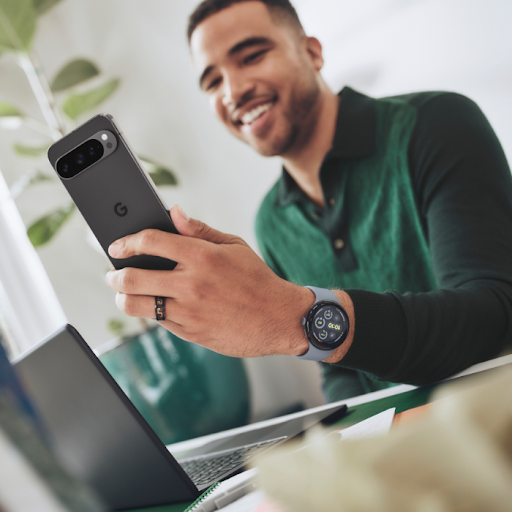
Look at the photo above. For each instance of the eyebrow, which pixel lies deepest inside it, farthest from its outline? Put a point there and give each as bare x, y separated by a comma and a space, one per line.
246, 43
242, 45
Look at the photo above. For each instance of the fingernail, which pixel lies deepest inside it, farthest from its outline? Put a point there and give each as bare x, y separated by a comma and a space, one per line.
182, 213
113, 250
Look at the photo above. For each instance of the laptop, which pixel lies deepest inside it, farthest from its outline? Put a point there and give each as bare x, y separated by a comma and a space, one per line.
102, 439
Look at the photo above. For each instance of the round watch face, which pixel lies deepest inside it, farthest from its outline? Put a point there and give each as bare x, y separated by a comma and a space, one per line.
326, 325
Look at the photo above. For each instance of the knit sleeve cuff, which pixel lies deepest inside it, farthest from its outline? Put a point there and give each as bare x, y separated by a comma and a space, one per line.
380, 334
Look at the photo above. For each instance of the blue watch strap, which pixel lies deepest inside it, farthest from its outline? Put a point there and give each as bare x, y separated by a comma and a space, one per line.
314, 353
323, 294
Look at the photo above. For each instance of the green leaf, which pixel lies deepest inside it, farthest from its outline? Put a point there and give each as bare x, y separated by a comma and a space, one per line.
8, 110
159, 174
19, 186
41, 6
77, 104
116, 326
17, 24
10, 117
44, 229
31, 151
74, 73
162, 176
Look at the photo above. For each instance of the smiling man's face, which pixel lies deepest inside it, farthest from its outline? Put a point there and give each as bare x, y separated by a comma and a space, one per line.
259, 76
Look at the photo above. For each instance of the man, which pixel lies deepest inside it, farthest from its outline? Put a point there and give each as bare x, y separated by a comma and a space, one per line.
405, 203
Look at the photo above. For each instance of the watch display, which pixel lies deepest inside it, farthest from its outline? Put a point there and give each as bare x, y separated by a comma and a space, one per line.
326, 325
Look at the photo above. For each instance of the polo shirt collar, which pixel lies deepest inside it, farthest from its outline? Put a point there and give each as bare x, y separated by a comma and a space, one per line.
354, 137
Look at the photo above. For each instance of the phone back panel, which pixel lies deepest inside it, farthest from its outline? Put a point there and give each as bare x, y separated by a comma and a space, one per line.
115, 195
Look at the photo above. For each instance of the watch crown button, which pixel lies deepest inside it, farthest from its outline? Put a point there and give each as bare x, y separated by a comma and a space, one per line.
303, 321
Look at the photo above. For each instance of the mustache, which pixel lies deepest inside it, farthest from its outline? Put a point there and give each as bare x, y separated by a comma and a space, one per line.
247, 103
248, 99
244, 100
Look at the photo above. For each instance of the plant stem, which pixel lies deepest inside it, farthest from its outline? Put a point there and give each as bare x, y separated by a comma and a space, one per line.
38, 126
44, 96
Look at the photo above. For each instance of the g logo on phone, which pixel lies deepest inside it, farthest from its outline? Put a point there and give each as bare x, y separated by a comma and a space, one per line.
120, 209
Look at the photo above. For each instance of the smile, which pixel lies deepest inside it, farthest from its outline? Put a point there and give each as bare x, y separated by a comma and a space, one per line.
255, 113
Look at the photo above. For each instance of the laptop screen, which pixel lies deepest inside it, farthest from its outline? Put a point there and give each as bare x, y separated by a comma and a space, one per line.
95, 430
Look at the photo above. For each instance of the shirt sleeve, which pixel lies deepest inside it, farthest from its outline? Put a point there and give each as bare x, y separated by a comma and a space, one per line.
266, 253
463, 187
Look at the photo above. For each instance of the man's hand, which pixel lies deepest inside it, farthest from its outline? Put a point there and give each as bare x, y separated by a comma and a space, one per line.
220, 295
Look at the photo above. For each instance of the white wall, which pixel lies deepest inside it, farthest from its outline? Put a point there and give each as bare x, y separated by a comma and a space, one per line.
380, 47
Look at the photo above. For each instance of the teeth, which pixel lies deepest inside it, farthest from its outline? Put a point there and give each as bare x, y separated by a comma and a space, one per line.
250, 117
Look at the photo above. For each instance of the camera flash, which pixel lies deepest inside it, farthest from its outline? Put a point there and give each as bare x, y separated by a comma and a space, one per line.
104, 136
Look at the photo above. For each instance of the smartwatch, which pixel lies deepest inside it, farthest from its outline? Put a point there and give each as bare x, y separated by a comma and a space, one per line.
325, 324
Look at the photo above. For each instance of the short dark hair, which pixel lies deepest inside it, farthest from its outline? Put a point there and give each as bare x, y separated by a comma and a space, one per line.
280, 9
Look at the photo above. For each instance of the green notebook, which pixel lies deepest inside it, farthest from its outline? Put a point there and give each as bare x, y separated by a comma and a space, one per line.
187, 506
216, 496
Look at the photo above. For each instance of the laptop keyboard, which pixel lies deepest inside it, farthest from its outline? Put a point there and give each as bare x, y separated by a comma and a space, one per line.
205, 469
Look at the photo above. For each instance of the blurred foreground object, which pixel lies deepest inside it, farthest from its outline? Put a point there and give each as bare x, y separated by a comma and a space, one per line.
458, 459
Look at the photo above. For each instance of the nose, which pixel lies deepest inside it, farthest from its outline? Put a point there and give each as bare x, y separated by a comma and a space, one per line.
237, 87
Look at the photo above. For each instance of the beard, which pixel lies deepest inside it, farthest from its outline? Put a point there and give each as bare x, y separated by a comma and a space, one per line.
298, 121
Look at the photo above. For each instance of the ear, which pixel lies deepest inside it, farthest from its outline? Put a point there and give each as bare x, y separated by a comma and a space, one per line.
314, 51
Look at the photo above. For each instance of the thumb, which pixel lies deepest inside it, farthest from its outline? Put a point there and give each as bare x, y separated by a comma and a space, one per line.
197, 229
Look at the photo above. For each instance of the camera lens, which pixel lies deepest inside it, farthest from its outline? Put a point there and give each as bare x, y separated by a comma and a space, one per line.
65, 168
91, 150
79, 158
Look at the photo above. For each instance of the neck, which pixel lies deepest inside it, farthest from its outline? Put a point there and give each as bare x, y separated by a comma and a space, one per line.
304, 160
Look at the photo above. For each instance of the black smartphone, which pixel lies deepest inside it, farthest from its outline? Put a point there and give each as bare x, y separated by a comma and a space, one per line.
110, 187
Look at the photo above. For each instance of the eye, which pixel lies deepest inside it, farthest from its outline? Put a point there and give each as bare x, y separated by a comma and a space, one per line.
213, 83
254, 56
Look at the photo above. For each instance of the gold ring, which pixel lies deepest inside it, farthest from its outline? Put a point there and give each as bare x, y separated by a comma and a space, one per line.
160, 309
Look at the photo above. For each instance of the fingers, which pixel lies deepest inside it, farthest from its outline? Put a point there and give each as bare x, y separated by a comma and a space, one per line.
143, 306
155, 243
197, 229
136, 281
181, 248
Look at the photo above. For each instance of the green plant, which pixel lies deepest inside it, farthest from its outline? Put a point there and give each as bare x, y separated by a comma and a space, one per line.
117, 327
63, 101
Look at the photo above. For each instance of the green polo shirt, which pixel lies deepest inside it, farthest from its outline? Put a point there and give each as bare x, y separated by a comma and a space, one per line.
417, 228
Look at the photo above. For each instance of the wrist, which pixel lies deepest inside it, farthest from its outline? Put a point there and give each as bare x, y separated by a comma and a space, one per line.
348, 306
293, 340
327, 325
